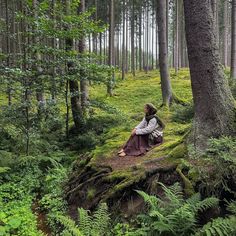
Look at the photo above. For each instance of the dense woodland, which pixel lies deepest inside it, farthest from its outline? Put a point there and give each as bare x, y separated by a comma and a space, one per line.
75, 75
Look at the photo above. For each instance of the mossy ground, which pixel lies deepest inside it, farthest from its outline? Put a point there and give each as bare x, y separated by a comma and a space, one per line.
130, 97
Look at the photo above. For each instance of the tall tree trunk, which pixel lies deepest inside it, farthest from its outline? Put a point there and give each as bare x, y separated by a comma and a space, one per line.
140, 39
132, 41
8, 50
214, 7
163, 56
147, 40
225, 33
123, 42
176, 54
111, 47
167, 25
84, 97
214, 108
73, 84
38, 60
233, 41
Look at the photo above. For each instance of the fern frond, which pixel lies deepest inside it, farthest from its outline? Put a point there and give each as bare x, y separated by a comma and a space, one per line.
162, 227
184, 217
194, 199
101, 219
206, 204
151, 200
174, 195
70, 225
232, 207
219, 226
85, 222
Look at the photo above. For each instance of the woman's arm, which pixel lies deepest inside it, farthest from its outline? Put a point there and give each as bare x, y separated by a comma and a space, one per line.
147, 130
141, 124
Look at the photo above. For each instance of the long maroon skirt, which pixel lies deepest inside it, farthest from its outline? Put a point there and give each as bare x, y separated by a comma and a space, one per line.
138, 145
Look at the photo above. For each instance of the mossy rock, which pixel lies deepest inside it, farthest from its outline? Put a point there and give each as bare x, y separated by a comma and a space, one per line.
179, 151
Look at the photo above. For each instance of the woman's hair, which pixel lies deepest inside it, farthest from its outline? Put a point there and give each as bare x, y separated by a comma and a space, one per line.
152, 110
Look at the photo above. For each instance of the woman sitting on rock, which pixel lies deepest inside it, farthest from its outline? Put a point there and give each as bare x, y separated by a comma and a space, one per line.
147, 134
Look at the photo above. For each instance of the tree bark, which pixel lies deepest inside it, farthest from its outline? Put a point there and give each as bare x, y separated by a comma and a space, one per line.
73, 84
225, 33
233, 41
84, 92
140, 39
214, 109
123, 42
38, 59
111, 48
163, 56
176, 54
132, 40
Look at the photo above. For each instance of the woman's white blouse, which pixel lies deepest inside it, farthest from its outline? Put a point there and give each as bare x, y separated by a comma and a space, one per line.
146, 128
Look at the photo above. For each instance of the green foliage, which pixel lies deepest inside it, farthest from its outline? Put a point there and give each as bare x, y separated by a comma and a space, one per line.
17, 194
53, 201
183, 114
219, 226
172, 214
220, 167
71, 228
89, 225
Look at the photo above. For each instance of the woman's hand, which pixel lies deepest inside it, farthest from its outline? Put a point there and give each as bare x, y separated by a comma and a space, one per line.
133, 132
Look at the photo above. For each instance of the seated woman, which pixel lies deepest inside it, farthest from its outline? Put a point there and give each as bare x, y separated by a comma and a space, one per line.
148, 133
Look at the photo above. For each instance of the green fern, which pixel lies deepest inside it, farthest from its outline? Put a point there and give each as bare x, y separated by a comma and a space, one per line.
172, 215
70, 226
232, 207
95, 225
85, 221
219, 226
101, 220
151, 200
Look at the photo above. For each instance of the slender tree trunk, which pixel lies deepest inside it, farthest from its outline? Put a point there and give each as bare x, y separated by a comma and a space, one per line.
8, 51
176, 57
38, 61
163, 56
54, 45
140, 39
84, 92
110, 83
73, 84
123, 42
127, 44
132, 41
214, 108
225, 33
233, 41
147, 40
167, 25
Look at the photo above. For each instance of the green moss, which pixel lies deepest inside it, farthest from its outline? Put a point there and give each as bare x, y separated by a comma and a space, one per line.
179, 151
91, 193
129, 178
130, 96
188, 187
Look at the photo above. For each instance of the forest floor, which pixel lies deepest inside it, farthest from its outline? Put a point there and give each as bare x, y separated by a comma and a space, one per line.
130, 97
64, 174
90, 181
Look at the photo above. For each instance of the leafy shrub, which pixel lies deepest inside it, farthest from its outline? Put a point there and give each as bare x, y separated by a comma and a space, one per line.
183, 114
84, 141
16, 199
172, 214
220, 170
53, 202
95, 225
